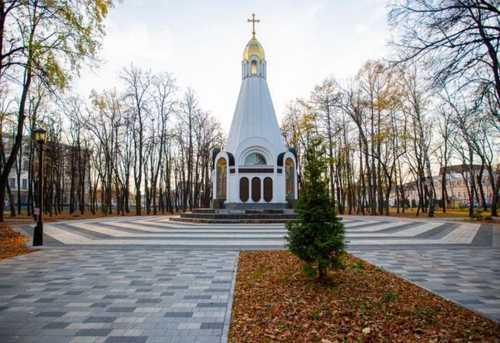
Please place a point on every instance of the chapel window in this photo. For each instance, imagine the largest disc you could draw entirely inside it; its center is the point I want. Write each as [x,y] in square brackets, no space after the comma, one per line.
[255,159]
[290,178]
[256,189]
[268,189]
[244,186]
[253,68]
[221,174]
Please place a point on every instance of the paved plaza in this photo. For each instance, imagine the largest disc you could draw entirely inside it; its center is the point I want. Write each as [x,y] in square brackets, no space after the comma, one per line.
[116,295]
[148,279]
[160,231]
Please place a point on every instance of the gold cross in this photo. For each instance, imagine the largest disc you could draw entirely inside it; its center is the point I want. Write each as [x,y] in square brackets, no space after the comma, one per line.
[253,21]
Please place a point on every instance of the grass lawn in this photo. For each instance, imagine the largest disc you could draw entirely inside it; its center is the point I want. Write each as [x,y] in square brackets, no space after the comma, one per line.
[12,243]
[276,301]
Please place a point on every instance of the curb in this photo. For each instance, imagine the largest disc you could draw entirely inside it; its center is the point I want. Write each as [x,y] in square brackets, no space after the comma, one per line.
[227,319]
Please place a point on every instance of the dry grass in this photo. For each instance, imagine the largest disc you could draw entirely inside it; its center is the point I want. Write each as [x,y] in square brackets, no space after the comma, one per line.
[275,301]
[455,214]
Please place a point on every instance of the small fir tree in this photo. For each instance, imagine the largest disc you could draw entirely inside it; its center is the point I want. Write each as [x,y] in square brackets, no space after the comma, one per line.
[317,236]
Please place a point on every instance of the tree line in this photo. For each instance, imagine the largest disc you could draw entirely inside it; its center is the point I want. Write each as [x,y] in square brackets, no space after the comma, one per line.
[141,148]
[434,103]
[147,141]
[43,45]
[145,146]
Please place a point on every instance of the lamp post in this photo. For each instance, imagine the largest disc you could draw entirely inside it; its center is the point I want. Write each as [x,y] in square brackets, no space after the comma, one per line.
[39,136]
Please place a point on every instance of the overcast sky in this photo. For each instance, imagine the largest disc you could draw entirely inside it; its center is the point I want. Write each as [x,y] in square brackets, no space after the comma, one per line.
[201,44]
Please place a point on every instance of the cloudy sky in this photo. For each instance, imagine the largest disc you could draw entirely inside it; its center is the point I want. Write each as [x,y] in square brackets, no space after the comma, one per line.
[201,44]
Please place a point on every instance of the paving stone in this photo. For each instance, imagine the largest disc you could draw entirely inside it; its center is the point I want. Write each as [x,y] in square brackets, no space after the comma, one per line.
[50,314]
[93,332]
[212,305]
[100,320]
[212,326]
[98,301]
[178,314]
[121,309]
[56,325]
[193,297]
[126,339]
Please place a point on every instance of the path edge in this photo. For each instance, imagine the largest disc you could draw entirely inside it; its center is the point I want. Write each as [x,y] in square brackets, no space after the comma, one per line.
[227,319]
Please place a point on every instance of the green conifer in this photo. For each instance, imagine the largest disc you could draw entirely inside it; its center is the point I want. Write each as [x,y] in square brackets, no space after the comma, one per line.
[317,236]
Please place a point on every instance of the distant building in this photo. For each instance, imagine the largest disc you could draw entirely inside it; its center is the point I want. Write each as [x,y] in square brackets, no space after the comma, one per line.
[20,178]
[457,187]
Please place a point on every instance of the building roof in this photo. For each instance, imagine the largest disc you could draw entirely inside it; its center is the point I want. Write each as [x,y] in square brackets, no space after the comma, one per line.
[254,119]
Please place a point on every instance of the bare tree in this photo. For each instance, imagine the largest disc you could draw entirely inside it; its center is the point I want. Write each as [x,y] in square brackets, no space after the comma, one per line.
[456,40]
[138,85]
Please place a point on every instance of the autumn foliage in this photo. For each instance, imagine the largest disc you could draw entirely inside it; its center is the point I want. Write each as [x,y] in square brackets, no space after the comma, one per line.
[12,243]
[276,302]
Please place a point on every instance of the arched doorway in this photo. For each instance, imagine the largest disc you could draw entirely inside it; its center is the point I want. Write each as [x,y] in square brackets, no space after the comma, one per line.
[221,175]
[289,179]
[244,193]
[268,189]
[256,189]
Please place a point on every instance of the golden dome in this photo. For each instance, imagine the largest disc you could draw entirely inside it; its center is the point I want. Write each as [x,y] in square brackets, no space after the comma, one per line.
[253,48]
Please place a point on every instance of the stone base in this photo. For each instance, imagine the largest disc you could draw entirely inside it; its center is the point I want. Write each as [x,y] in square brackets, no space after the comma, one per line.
[237,216]
[256,206]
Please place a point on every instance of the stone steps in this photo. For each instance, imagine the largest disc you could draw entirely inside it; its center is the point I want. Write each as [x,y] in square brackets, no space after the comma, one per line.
[232,221]
[241,216]
[248,216]
[203,210]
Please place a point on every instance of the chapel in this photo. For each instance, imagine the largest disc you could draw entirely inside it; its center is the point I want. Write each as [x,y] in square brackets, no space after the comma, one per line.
[255,169]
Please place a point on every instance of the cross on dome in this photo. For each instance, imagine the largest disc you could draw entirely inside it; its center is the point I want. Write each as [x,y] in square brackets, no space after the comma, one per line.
[253,48]
[253,21]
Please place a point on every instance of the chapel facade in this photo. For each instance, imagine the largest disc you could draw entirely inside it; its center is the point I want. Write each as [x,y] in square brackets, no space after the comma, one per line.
[255,169]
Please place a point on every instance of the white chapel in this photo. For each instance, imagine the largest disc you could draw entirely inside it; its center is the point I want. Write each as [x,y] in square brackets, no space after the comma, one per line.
[255,169]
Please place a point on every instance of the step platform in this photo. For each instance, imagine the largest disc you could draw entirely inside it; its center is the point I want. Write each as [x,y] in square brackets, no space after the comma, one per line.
[227,216]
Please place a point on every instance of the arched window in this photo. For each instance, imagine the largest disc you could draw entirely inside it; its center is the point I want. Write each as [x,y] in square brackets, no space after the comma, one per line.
[268,189]
[290,179]
[255,159]
[221,175]
[255,189]
[253,68]
[244,193]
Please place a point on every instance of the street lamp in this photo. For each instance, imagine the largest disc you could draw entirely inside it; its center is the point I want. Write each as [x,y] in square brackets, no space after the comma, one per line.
[39,135]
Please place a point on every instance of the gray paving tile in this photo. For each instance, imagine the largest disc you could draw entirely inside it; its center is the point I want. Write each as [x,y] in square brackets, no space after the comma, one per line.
[212,325]
[93,332]
[121,309]
[56,325]
[212,305]
[178,314]
[95,319]
[126,339]
[93,301]
[51,314]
